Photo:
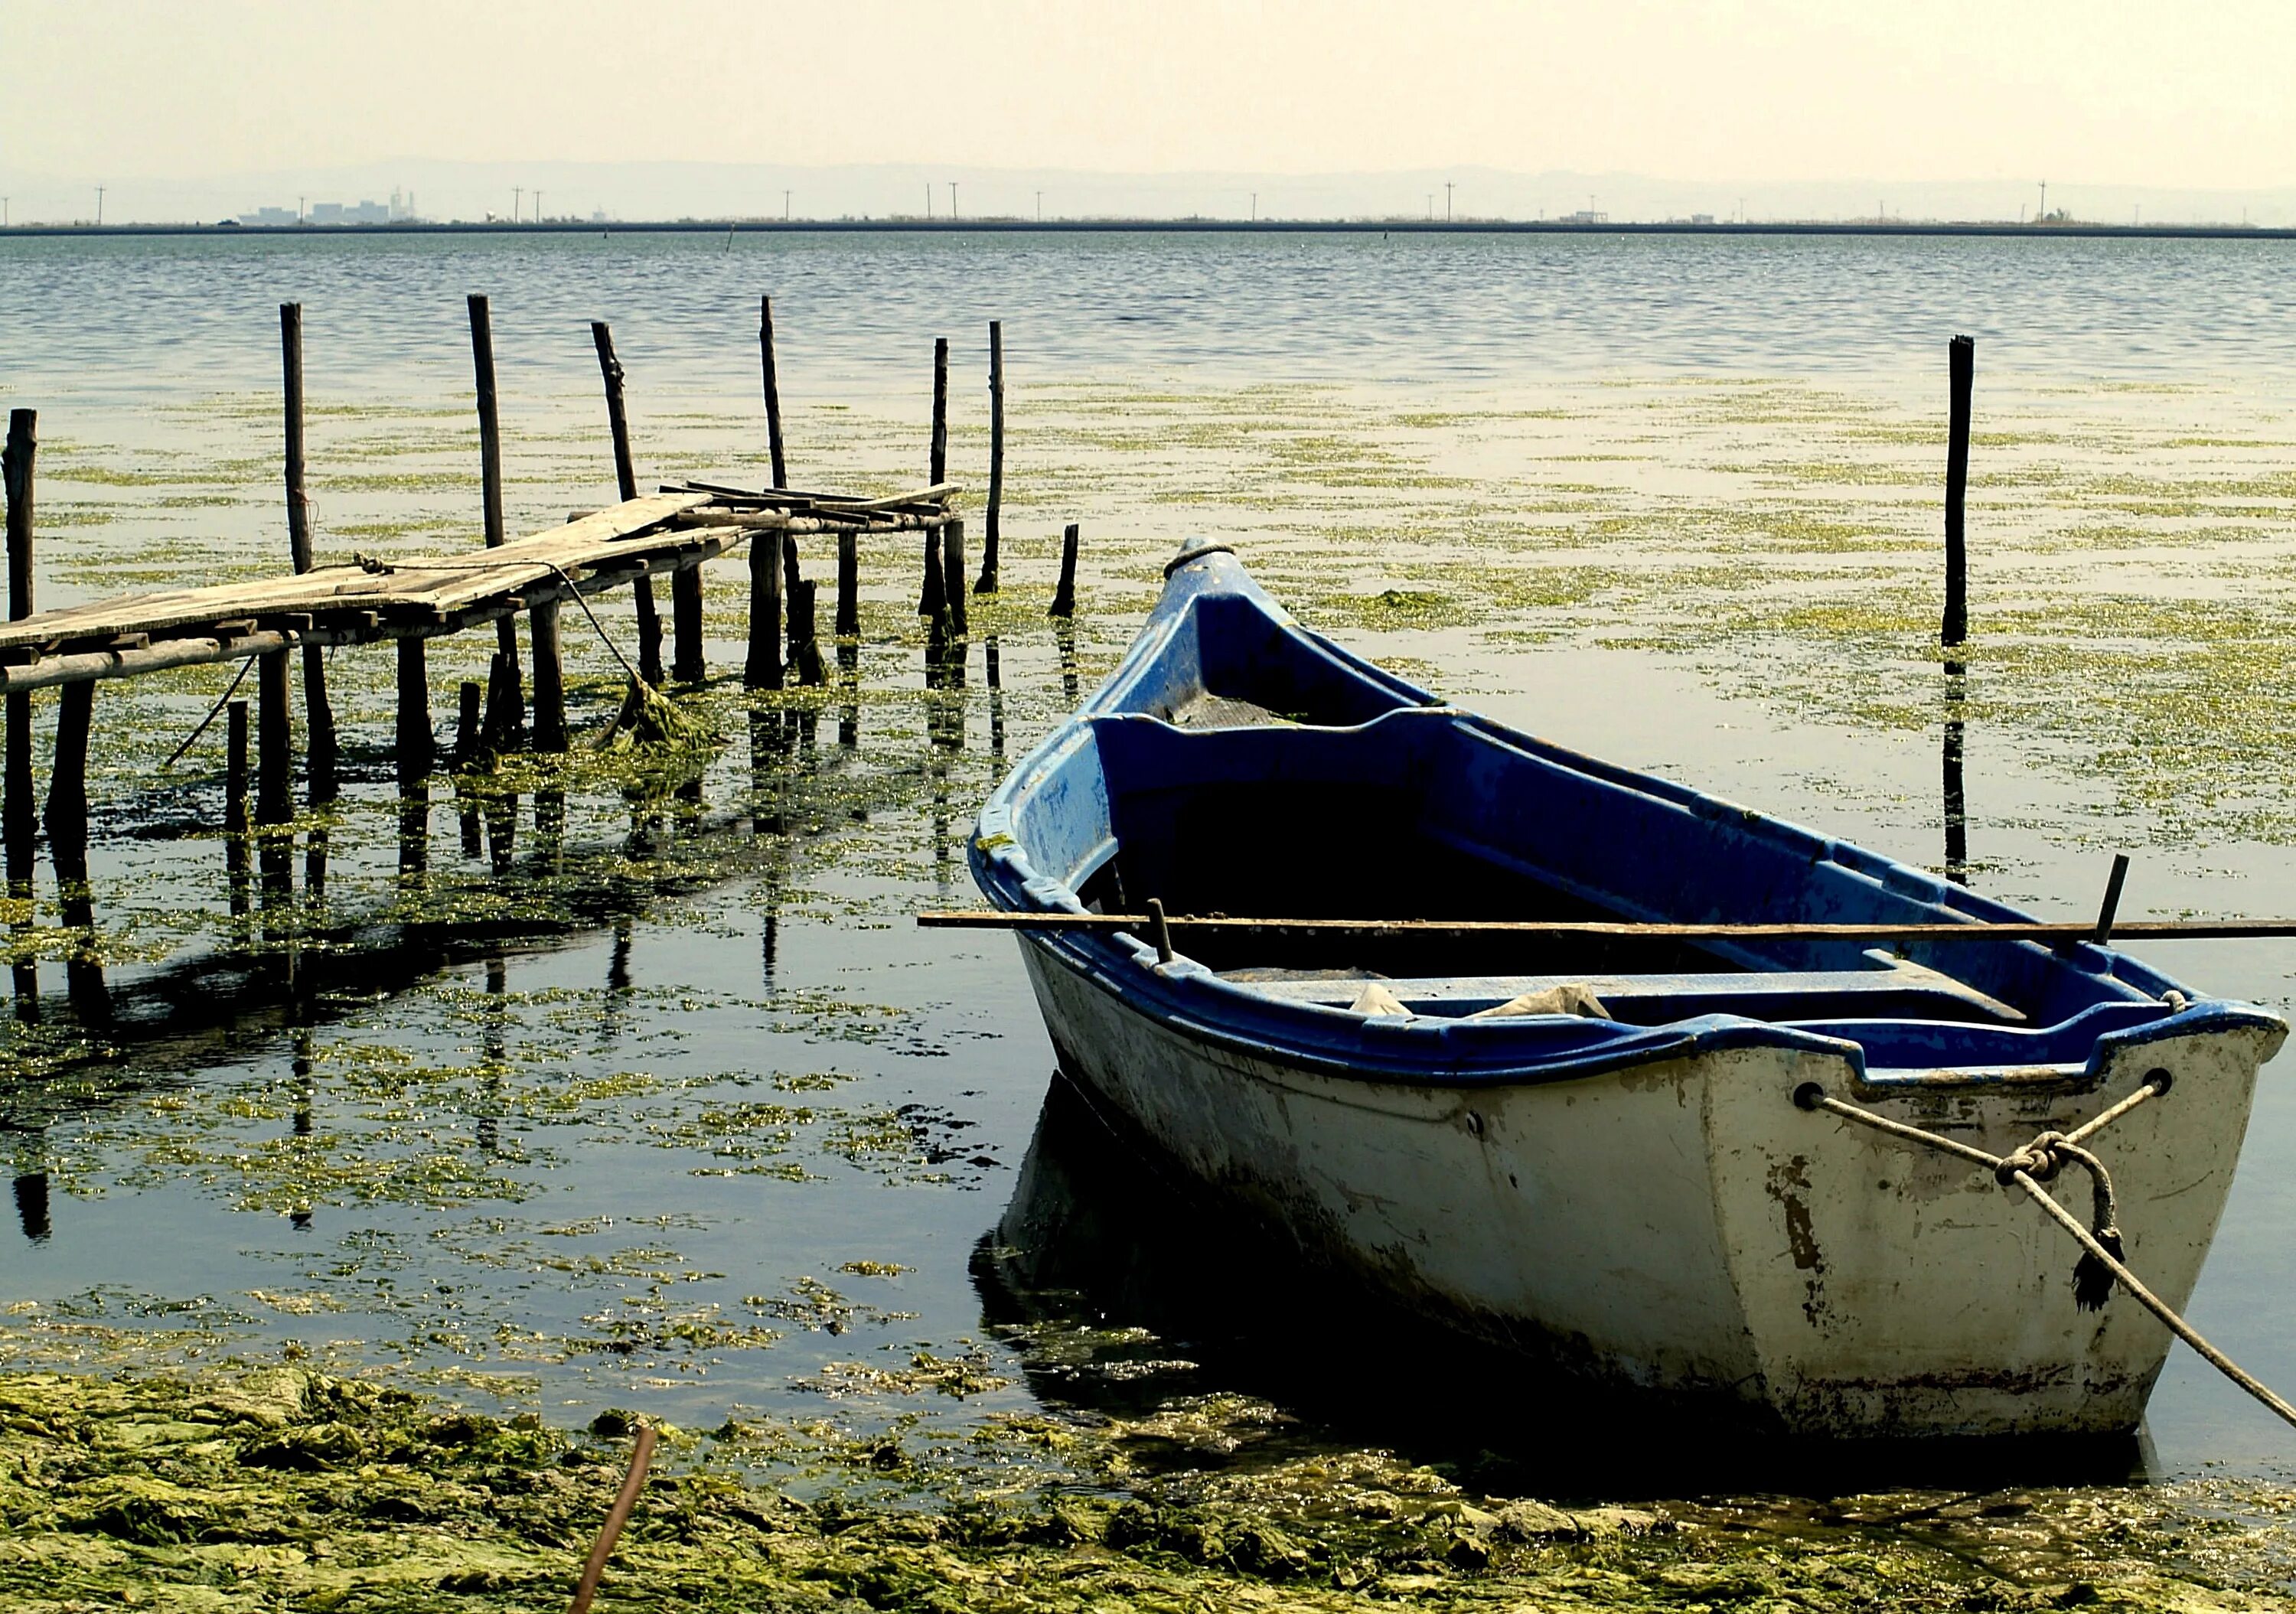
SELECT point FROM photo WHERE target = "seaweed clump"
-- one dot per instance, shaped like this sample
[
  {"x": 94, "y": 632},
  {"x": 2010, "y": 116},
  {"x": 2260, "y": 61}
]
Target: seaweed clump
[{"x": 281, "y": 1487}]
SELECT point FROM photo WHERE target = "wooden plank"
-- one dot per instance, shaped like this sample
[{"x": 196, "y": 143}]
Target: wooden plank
[
  {"x": 2201, "y": 929},
  {"x": 608, "y": 535}
]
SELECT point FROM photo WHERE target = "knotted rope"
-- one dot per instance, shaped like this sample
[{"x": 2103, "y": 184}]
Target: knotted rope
[{"x": 2039, "y": 1161}]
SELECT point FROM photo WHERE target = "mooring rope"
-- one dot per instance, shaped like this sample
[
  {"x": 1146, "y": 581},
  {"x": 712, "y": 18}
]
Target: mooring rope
[
  {"x": 374, "y": 567},
  {"x": 192, "y": 737},
  {"x": 2037, "y": 1162}
]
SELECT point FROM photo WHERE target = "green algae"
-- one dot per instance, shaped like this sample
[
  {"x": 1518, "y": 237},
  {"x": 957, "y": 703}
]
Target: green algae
[{"x": 279, "y": 1487}]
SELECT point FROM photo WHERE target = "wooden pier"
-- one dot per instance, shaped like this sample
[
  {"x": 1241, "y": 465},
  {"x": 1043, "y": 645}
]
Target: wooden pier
[
  {"x": 409, "y": 600},
  {"x": 425, "y": 596}
]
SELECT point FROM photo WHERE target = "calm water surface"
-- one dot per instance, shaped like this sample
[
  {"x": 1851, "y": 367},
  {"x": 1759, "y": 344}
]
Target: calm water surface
[{"x": 705, "y": 1124}]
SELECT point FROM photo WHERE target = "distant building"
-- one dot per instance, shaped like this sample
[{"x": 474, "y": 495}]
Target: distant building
[
  {"x": 331, "y": 213},
  {"x": 1585, "y": 216},
  {"x": 1702, "y": 218}
]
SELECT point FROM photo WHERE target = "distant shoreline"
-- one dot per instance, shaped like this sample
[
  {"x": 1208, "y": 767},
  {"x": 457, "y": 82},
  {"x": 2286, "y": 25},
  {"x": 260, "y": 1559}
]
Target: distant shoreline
[{"x": 1159, "y": 226}]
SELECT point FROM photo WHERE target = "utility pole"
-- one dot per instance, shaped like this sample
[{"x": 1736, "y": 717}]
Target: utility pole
[
  {"x": 1255, "y": 206},
  {"x": 517, "y": 195},
  {"x": 785, "y": 207},
  {"x": 301, "y": 208},
  {"x": 4, "y": 212},
  {"x": 928, "y": 199},
  {"x": 1447, "y": 201},
  {"x": 951, "y": 201},
  {"x": 2045, "y": 202},
  {"x": 1040, "y": 207},
  {"x": 99, "y": 204},
  {"x": 537, "y": 207}
]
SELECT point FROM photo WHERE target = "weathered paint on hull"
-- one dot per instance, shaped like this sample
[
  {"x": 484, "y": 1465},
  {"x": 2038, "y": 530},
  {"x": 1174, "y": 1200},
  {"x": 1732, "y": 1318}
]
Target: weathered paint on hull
[{"x": 1680, "y": 1226}]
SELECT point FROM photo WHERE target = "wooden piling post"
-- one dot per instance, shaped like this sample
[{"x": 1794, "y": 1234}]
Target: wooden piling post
[
  {"x": 805, "y": 643},
  {"x": 417, "y": 750},
  {"x": 626, "y": 480},
  {"x": 1961, "y": 372},
  {"x": 318, "y": 714},
  {"x": 952, "y": 572},
  {"x": 1065, "y": 596},
  {"x": 763, "y": 668},
  {"x": 275, "y": 740},
  {"x": 511, "y": 699},
  {"x": 234, "y": 770},
  {"x": 773, "y": 391},
  {"x": 499, "y": 732},
  {"x": 468, "y": 724},
  {"x": 940, "y": 461},
  {"x": 549, "y": 678},
  {"x": 234, "y": 809},
  {"x": 686, "y": 665},
  {"x": 848, "y": 584},
  {"x": 933, "y": 598},
  {"x": 988, "y": 582},
  {"x": 67, "y": 813},
  {"x": 21, "y": 818},
  {"x": 67, "y": 819}
]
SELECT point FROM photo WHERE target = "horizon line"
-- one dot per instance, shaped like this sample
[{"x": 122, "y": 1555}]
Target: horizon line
[{"x": 999, "y": 225}]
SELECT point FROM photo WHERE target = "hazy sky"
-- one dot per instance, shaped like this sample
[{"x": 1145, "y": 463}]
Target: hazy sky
[{"x": 2082, "y": 91}]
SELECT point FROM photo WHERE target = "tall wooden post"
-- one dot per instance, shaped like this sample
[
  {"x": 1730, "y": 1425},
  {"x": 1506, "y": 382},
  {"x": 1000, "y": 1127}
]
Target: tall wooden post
[
  {"x": 1065, "y": 596},
  {"x": 940, "y": 461},
  {"x": 417, "y": 750},
  {"x": 848, "y": 584},
  {"x": 952, "y": 572},
  {"x": 626, "y": 478},
  {"x": 988, "y": 582},
  {"x": 773, "y": 391},
  {"x": 275, "y": 740},
  {"x": 763, "y": 669},
  {"x": 318, "y": 714},
  {"x": 933, "y": 598},
  {"x": 510, "y": 700},
  {"x": 549, "y": 679},
  {"x": 21, "y": 815},
  {"x": 1961, "y": 370}
]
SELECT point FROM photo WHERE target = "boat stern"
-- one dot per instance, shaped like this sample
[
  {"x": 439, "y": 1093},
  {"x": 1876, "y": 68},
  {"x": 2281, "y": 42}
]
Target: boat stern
[{"x": 1889, "y": 1287}]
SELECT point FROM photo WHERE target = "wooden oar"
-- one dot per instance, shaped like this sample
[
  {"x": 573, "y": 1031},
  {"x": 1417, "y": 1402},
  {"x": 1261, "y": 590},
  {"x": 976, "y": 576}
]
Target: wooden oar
[{"x": 2180, "y": 930}]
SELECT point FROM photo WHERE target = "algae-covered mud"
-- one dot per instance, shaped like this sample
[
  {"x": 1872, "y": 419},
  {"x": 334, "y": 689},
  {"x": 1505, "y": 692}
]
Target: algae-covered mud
[
  {"x": 385, "y": 1156},
  {"x": 283, "y": 1488}
]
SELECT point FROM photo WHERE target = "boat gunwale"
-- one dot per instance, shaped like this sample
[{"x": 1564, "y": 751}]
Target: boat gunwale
[{"x": 1482, "y": 1052}]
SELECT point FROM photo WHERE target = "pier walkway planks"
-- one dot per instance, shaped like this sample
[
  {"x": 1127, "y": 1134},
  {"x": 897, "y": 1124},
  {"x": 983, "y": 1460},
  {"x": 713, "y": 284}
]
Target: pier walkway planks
[{"x": 424, "y": 596}]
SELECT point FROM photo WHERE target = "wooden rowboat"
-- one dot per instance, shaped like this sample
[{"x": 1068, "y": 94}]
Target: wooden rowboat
[{"x": 1610, "y": 1151}]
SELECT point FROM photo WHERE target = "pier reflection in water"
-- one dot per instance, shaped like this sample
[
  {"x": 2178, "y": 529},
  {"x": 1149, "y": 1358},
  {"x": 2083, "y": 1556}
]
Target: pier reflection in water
[
  {"x": 1124, "y": 1286},
  {"x": 1956, "y": 801}
]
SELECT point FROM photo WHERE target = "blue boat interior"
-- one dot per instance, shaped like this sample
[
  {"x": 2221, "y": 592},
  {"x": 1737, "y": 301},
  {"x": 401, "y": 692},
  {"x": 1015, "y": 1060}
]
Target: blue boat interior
[{"x": 1237, "y": 764}]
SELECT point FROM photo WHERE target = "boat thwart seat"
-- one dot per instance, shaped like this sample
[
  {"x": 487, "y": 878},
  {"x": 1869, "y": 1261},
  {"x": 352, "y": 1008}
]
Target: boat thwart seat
[{"x": 1896, "y": 988}]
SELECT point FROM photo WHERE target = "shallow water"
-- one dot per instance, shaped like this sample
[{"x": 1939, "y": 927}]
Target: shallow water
[{"x": 696, "y": 1122}]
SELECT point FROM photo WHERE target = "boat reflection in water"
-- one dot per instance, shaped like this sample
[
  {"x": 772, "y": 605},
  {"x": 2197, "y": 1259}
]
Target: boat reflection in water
[{"x": 1127, "y": 1288}]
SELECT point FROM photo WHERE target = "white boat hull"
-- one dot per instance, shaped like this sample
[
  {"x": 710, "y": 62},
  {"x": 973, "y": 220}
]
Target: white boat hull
[{"x": 1681, "y": 1226}]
